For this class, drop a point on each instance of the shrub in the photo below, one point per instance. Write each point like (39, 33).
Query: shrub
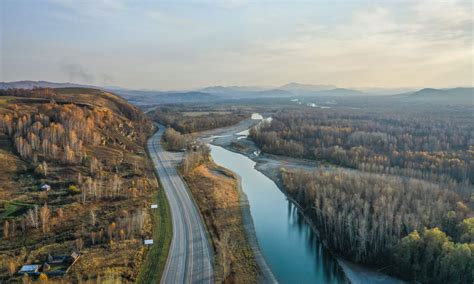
(73, 189)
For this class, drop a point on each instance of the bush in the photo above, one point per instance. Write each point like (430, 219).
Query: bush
(73, 189)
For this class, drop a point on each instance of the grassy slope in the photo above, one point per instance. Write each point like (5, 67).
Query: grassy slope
(152, 267)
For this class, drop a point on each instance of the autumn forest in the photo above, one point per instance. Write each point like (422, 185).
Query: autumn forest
(395, 186)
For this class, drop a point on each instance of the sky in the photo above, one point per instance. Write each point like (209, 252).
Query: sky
(188, 44)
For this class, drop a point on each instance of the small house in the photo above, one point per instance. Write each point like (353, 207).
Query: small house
(56, 259)
(45, 187)
(74, 256)
(29, 269)
(59, 265)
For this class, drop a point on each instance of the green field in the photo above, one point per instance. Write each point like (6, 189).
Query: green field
(9, 209)
(154, 264)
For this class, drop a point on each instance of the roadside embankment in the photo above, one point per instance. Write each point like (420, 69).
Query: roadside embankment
(216, 193)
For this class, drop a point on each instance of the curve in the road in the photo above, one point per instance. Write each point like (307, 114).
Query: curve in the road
(190, 258)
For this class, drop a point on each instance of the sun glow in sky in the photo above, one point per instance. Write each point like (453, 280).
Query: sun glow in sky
(191, 44)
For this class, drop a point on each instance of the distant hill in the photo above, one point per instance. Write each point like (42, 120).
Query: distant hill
(339, 92)
(288, 90)
(40, 84)
(385, 91)
(275, 93)
(157, 97)
(230, 89)
(220, 93)
(238, 92)
(297, 87)
(454, 95)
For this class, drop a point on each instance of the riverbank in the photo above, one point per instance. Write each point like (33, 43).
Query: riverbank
(287, 242)
(225, 137)
(215, 191)
(237, 141)
(266, 274)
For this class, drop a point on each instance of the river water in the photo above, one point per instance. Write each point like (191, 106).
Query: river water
(287, 242)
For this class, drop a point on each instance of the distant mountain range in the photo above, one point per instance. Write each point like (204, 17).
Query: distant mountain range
(40, 84)
(453, 95)
(158, 97)
(291, 90)
(302, 88)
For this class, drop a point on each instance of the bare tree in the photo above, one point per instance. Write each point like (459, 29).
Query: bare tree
(60, 213)
(93, 217)
(94, 166)
(110, 230)
(32, 217)
(25, 279)
(79, 178)
(23, 224)
(45, 214)
(11, 267)
(101, 235)
(6, 227)
(42, 169)
(115, 185)
(79, 243)
(93, 237)
(13, 228)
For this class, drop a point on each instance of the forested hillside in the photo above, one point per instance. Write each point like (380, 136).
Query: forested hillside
(87, 147)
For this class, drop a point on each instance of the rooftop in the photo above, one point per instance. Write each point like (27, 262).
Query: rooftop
(29, 268)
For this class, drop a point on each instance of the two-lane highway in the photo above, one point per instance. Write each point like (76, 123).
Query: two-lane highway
(190, 258)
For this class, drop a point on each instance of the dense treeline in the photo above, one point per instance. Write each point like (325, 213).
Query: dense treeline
(432, 257)
(53, 127)
(365, 216)
(197, 121)
(175, 141)
(55, 132)
(431, 144)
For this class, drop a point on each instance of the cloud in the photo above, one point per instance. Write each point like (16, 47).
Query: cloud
(378, 45)
(441, 20)
(345, 42)
(77, 74)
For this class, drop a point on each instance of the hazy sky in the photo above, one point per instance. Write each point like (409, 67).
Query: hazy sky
(186, 44)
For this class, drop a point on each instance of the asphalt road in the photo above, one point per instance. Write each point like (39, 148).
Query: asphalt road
(190, 259)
